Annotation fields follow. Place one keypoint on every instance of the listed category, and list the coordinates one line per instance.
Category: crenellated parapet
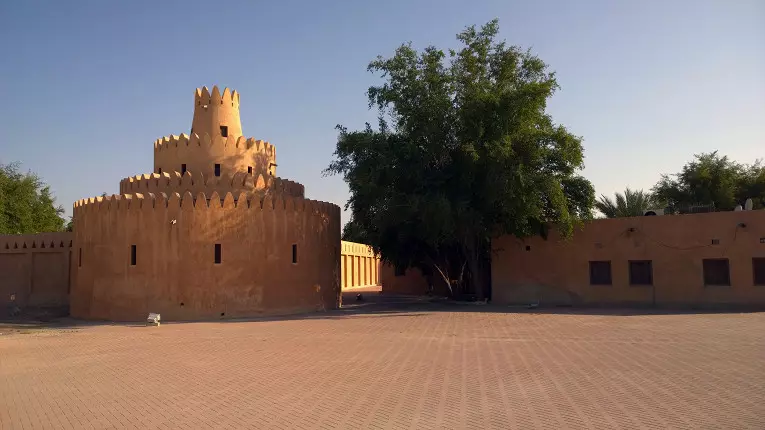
(200, 153)
(202, 201)
(19, 242)
(203, 96)
(198, 182)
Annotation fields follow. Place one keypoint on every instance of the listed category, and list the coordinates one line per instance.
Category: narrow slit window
(217, 253)
(160, 171)
(79, 257)
(249, 170)
(224, 131)
(294, 253)
(183, 169)
(132, 255)
(217, 170)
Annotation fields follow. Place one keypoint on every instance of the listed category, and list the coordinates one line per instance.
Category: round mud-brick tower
(210, 233)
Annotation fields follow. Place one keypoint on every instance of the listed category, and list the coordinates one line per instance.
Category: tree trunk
(476, 276)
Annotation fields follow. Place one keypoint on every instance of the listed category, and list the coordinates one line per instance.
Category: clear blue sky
(89, 85)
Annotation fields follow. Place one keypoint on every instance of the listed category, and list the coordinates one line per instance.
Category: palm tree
(629, 203)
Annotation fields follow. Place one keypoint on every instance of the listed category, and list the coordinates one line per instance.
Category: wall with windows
(695, 260)
(359, 266)
(193, 257)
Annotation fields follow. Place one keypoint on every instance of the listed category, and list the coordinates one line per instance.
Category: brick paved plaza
(418, 366)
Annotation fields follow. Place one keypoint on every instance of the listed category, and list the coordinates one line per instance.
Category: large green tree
(626, 204)
(713, 179)
(26, 203)
(463, 151)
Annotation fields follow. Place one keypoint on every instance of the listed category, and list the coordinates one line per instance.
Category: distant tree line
(708, 180)
(26, 203)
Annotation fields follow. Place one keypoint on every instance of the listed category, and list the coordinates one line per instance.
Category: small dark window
(132, 255)
(716, 271)
(249, 170)
(600, 273)
(217, 253)
(294, 253)
(224, 131)
(217, 170)
(758, 267)
(160, 171)
(79, 257)
(641, 272)
(400, 270)
(528, 248)
(183, 169)
(715, 241)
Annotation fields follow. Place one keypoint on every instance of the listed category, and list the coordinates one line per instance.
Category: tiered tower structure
(211, 232)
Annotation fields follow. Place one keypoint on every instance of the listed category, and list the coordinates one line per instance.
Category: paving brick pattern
(421, 367)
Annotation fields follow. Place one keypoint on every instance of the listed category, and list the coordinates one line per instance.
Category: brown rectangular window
(160, 171)
(249, 170)
(224, 131)
(641, 272)
(217, 253)
(716, 271)
(758, 268)
(294, 253)
(217, 170)
(183, 169)
(132, 255)
(600, 273)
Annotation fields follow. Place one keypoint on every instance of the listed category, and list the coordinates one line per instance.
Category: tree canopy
(626, 204)
(713, 179)
(463, 151)
(26, 203)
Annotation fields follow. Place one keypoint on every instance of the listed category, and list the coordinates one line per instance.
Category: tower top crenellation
(216, 113)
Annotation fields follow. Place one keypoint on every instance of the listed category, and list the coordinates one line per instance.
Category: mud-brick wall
(34, 270)
(276, 257)
(673, 248)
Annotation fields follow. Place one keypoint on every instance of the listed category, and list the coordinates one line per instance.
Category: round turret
(216, 114)
(216, 146)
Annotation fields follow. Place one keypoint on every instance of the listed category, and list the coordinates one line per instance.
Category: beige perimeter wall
(359, 265)
(175, 273)
(558, 272)
(34, 270)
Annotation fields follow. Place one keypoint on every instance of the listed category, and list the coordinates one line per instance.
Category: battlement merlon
(216, 114)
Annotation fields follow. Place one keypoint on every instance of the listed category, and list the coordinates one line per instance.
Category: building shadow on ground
(372, 304)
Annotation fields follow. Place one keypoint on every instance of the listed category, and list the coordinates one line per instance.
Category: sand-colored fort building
(210, 232)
